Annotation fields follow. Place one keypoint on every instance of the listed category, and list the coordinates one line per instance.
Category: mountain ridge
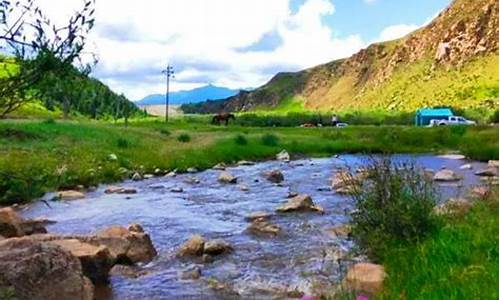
(452, 61)
(195, 95)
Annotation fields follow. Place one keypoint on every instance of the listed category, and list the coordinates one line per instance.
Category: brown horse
(223, 117)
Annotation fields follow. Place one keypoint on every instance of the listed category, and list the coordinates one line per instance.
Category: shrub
(165, 132)
(49, 121)
(269, 139)
(240, 140)
(394, 205)
(123, 143)
(21, 185)
(184, 138)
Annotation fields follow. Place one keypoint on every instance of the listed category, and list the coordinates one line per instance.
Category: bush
(49, 121)
(165, 132)
(184, 138)
(394, 205)
(123, 143)
(269, 139)
(241, 140)
(21, 185)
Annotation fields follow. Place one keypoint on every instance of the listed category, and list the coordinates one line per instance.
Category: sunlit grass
(39, 150)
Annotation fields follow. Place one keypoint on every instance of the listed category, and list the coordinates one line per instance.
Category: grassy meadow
(458, 261)
(43, 155)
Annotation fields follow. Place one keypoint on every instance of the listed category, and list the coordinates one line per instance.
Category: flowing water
(303, 257)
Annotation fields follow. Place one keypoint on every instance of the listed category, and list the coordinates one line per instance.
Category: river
(303, 258)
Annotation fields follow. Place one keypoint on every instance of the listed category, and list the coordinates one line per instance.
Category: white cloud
(135, 40)
(396, 31)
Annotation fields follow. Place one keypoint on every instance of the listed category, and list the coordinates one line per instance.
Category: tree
(39, 47)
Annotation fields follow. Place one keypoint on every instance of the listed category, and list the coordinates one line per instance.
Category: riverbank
(284, 253)
(40, 156)
(458, 261)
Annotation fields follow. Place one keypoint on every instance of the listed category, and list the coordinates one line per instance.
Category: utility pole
(169, 72)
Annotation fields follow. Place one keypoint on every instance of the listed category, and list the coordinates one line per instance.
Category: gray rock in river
(258, 215)
(217, 247)
(220, 167)
(274, 176)
(283, 156)
(192, 273)
(39, 271)
(226, 177)
(490, 172)
(262, 226)
(192, 247)
(136, 176)
(444, 175)
(70, 195)
(299, 203)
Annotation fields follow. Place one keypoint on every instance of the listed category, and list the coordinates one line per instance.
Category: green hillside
(87, 97)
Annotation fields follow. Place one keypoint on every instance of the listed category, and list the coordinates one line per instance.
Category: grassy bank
(39, 156)
(295, 117)
(449, 253)
(458, 261)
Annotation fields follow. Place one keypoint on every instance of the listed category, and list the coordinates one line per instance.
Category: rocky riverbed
(259, 245)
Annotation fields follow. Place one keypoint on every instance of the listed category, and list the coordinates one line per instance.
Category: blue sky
(234, 43)
(369, 18)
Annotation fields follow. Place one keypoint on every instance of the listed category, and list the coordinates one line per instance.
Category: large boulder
(70, 195)
(96, 260)
(226, 177)
(10, 223)
(365, 278)
(299, 203)
(193, 247)
(125, 245)
(445, 175)
(42, 271)
(493, 163)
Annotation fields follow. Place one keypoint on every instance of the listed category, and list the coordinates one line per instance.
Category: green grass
(38, 156)
(459, 261)
(473, 86)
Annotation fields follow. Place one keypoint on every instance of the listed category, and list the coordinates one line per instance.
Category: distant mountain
(452, 61)
(208, 92)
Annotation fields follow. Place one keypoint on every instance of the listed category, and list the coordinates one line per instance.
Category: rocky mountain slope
(451, 61)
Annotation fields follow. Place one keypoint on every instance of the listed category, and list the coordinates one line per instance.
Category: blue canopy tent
(424, 116)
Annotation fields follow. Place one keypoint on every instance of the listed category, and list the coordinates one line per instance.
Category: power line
(169, 72)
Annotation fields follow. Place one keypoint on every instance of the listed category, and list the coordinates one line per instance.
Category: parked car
(452, 120)
(341, 125)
